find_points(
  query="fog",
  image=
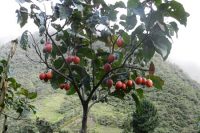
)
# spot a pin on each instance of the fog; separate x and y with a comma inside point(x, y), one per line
point(185, 50)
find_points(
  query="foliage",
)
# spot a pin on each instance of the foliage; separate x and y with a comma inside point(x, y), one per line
point(179, 97)
point(13, 96)
point(132, 47)
point(145, 120)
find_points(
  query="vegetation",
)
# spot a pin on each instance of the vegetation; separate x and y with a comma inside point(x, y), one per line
point(12, 95)
point(177, 103)
point(73, 64)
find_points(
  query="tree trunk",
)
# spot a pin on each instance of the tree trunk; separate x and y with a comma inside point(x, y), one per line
point(84, 118)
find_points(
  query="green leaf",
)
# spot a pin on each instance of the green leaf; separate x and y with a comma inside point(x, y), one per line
point(112, 15)
point(118, 93)
point(131, 21)
point(119, 4)
point(22, 15)
point(157, 81)
point(119, 59)
point(158, 2)
point(19, 110)
point(32, 95)
point(13, 83)
point(140, 92)
point(86, 52)
point(57, 80)
point(123, 17)
point(58, 63)
point(56, 26)
point(176, 10)
point(64, 11)
point(132, 3)
point(24, 40)
point(148, 50)
point(136, 99)
point(71, 91)
point(162, 45)
point(175, 27)
point(24, 92)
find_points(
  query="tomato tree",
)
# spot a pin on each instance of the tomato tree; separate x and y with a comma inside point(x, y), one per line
point(13, 96)
point(122, 65)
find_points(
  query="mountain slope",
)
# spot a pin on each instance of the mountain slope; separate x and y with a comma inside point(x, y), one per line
point(178, 103)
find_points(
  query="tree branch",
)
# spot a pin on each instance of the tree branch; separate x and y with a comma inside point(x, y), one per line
point(68, 66)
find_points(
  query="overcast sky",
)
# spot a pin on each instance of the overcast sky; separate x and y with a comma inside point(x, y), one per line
point(185, 51)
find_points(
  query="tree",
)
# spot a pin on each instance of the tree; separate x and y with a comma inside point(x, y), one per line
point(12, 95)
point(145, 119)
point(74, 64)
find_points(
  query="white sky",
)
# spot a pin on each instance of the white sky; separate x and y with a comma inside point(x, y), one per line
point(185, 50)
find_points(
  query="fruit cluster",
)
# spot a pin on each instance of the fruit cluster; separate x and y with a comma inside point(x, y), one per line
point(65, 86)
point(119, 84)
point(111, 58)
point(143, 81)
point(46, 76)
point(74, 59)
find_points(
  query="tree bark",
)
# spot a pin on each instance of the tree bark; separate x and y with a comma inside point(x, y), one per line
point(4, 125)
point(84, 118)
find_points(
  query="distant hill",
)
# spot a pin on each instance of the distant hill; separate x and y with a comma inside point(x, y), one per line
point(178, 103)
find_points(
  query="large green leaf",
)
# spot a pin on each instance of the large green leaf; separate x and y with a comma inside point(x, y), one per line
point(57, 79)
point(22, 16)
point(148, 50)
point(131, 21)
point(176, 10)
point(132, 3)
point(24, 40)
point(86, 52)
point(119, 4)
point(64, 11)
point(157, 81)
point(162, 45)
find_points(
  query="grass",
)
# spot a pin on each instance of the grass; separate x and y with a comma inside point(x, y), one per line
point(48, 107)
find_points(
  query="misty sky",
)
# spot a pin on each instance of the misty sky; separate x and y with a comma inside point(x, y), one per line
point(185, 51)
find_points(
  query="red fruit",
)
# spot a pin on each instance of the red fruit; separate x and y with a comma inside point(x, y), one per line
point(42, 76)
point(118, 85)
point(49, 75)
point(62, 86)
point(109, 83)
point(149, 83)
point(107, 67)
point(144, 81)
point(129, 83)
point(120, 42)
point(76, 60)
point(47, 48)
point(111, 58)
point(67, 86)
point(138, 80)
point(123, 86)
point(69, 59)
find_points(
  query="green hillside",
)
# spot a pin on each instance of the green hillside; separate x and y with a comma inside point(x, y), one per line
point(178, 103)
